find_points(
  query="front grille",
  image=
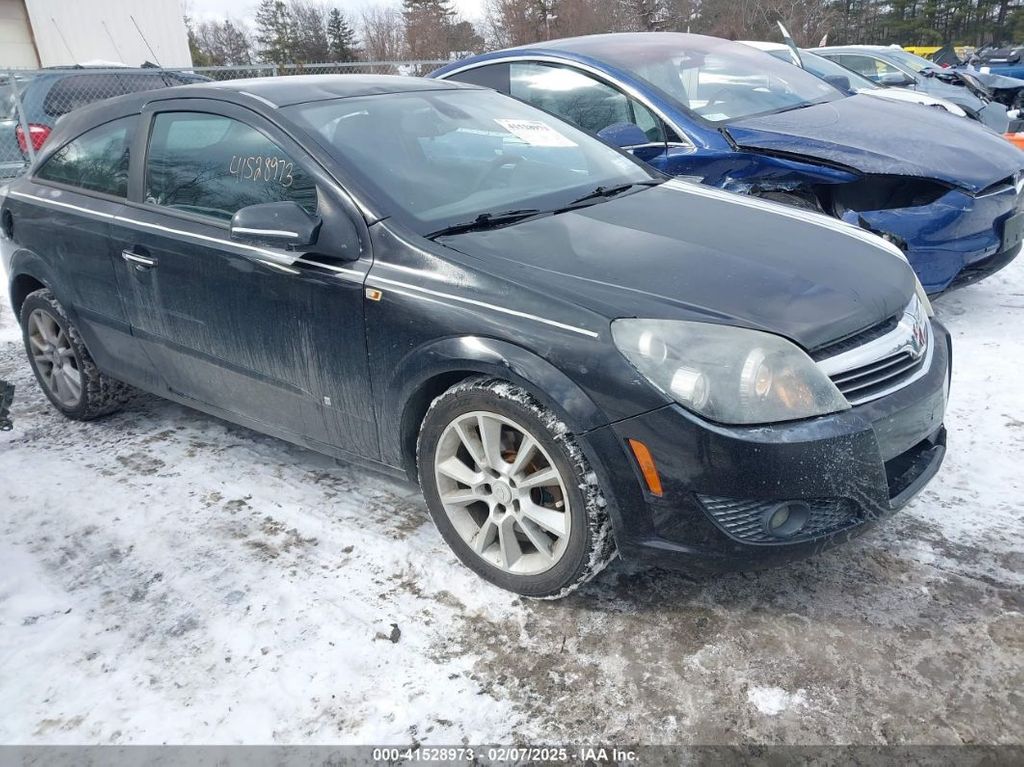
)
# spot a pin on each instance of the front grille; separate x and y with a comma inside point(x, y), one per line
point(882, 359)
point(857, 339)
point(744, 520)
point(863, 383)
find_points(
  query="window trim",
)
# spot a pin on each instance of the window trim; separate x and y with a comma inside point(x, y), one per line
point(136, 195)
point(130, 141)
point(628, 90)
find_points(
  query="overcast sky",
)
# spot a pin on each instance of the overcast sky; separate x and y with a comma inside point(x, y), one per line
point(244, 9)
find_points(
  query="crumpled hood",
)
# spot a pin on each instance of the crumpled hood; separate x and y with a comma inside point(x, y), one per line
point(683, 251)
point(876, 136)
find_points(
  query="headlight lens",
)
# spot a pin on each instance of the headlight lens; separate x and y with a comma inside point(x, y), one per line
point(728, 374)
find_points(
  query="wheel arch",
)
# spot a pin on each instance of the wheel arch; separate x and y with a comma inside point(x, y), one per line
point(28, 274)
point(430, 372)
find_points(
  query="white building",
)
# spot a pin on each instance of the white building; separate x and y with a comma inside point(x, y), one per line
point(48, 33)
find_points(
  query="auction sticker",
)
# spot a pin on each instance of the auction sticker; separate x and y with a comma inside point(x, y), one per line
point(535, 133)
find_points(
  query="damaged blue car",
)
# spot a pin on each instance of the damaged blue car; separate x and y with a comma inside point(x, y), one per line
point(944, 190)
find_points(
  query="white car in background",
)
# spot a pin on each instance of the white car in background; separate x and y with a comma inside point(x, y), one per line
point(834, 73)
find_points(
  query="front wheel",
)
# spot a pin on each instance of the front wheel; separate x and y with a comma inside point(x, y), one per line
point(511, 491)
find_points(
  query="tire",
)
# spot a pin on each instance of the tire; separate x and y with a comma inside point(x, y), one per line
point(97, 394)
point(505, 502)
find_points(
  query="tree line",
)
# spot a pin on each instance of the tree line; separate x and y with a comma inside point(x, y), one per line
point(313, 31)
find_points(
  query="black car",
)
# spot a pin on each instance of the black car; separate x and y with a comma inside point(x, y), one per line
point(573, 355)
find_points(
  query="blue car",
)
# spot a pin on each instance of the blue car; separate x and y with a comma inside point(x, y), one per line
point(947, 191)
point(1008, 62)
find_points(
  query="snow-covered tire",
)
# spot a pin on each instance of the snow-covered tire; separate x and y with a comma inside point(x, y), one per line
point(589, 544)
point(100, 394)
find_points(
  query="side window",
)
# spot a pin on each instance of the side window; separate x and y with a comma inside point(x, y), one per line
point(97, 160)
point(491, 76)
point(76, 91)
point(214, 165)
point(870, 67)
point(580, 98)
point(134, 83)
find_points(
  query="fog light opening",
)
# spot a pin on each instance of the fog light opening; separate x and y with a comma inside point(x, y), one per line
point(785, 520)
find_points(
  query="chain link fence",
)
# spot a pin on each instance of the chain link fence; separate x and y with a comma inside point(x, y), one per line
point(31, 101)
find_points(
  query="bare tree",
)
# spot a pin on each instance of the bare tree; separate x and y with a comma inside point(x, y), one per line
point(309, 22)
point(518, 22)
point(383, 34)
point(220, 43)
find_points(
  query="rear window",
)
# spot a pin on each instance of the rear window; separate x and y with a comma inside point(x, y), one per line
point(76, 91)
point(97, 160)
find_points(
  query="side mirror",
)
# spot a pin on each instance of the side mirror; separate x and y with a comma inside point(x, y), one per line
point(895, 80)
point(623, 135)
point(840, 82)
point(277, 224)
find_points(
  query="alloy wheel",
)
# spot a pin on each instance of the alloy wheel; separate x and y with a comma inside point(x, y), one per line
point(55, 358)
point(503, 493)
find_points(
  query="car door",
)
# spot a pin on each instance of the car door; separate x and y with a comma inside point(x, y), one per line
point(589, 103)
point(592, 104)
point(254, 333)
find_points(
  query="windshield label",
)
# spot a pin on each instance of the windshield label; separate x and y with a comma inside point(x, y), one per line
point(535, 133)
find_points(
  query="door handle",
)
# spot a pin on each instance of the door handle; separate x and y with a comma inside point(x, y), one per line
point(141, 263)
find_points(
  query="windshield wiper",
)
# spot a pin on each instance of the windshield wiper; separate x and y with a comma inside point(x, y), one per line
point(607, 191)
point(486, 221)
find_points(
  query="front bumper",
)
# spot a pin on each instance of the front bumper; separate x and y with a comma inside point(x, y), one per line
point(957, 233)
point(855, 468)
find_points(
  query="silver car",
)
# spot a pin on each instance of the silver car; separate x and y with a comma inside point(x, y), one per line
point(897, 68)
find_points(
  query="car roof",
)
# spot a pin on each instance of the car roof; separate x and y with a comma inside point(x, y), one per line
point(618, 43)
point(268, 91)
point(299, 89)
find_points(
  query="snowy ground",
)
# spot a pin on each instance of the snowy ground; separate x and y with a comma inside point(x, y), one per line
point(166, 577)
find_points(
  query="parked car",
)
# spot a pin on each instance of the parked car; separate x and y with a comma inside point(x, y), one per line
point(574, 355)
point(897, 68)
point(946, 191)
point(849, 82)
point(49, 94)
point(12, 160)
point(1007, 61)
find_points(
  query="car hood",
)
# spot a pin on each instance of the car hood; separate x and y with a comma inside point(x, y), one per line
point(684, 251)
point(872, 135)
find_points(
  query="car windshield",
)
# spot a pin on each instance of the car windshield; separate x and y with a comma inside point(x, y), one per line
point(821, 67)
point(440, 158)
point(720, 80)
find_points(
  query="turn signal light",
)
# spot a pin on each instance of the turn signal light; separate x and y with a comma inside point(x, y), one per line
point(645, 461)
point(38, 134)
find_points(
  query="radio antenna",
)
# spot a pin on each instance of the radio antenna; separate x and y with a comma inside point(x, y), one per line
point(137, 29)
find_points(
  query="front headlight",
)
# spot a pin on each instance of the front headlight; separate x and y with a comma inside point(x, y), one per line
point(728, 374)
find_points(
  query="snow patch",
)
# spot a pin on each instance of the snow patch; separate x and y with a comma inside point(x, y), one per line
point(772, 701)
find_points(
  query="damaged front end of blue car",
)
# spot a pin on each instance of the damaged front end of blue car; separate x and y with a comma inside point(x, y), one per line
point(957, 214)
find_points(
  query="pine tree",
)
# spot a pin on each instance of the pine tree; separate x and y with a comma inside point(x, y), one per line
point(342, 37)
point(274, 32)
